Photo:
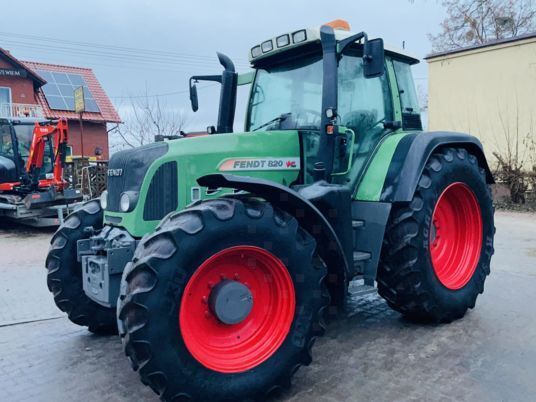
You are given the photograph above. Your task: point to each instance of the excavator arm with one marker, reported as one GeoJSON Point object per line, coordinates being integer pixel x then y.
{"type": "Point", "coordinates": [42, 135]}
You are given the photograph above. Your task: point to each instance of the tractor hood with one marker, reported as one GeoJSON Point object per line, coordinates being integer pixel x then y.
{"type": "Point", "coordinates": [162, 177]}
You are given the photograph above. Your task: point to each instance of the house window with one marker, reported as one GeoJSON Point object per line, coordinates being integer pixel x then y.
{"type": "Point", "coordinates": [5, 101]}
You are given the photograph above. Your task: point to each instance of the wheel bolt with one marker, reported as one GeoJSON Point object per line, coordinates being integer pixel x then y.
{"type": "Point", "coordinates": [236, 277]}
{"type": "Point", "coordinates": [204, 300]}
{"type": "Point", "coordinates": [210, 285]}
{"type": "Point", "coordinates": [207, 314]}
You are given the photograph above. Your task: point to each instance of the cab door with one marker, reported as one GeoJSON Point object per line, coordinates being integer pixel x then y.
{"type": "Point", "coordinates": [365, 106]}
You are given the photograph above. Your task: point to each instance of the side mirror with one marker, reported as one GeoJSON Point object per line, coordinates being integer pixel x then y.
{"type": "Point", "coordinates": [193, 97]}
{"type": "Point", "coordinates": [373, 58]}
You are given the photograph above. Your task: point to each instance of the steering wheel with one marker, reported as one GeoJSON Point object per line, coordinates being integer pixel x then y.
{"type": "Point", "coordinates": [317, 117]}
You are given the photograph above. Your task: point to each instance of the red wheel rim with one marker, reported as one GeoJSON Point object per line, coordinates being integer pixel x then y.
{"type": "Point", "coordinates": [239, 347]}
{"type": "Point", "coordinates": [456, 236]}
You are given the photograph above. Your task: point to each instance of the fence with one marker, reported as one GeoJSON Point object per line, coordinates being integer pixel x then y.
{"type": "Point", "coordinates": [87, 176]}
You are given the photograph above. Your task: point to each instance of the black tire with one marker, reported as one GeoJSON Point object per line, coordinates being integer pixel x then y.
{"type": "Point", "coordinates": [406, 276]}
{"type": "Point", "coordinates": [153, 284]}
{"type": "Point", "coordinates": [64, 277]}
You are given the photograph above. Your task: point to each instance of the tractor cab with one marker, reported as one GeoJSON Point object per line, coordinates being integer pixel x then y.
{"type": "Point", "coordinates": [341, 91]}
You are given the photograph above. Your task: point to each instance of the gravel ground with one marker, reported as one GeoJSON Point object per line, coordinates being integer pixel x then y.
{"type": "Point", "coordinates": [374, 354]}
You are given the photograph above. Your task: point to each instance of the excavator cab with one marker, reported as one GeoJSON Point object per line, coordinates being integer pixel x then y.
{"type": "Point", "coordinates": [15, 144]}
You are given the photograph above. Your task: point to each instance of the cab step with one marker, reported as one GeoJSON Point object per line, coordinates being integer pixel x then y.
{"type": "Point", "coordinates": [360, 259]}
{"type": "Point", "coordinates": [361, 256]}
{"type": "Point", "coordinates": [357, 288]}
{"type": "Point", "coordinates": [358, 224]}
{"type": "Point", "coordinates": [358, 293]}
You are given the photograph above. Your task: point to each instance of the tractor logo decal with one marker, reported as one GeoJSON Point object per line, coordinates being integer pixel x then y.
{"type": "Point", "coordinates": [115, 172]}
{"type": "Point", "coordinates": [260, 164]}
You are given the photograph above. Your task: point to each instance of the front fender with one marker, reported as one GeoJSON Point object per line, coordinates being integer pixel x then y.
{"type": "Point", "coordinates": [411, 155]}
{"type": "Point", "coordinates": [308, 216]}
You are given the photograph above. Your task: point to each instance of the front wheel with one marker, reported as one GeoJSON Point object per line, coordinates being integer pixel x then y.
{"type": "Point", "coordinates": [437, 250]}
{"type": "Point", "coordinates": [64, 277]}
{"type": "Point", "coordinates": [222, 302]}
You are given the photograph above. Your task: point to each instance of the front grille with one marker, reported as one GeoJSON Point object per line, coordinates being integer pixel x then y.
{"type": "Point", "coordinates": [162, 197]}
{"type": "Point", "coordinates": [133, 165]}
{"type": "Point", "coordinates": [411, 121]}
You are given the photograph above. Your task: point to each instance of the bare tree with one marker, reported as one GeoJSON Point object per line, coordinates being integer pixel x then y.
{"type": "Point", "coordinates": [516, 162]}
{"type": "Point", "coordinates": [475, 22]}
{"type": "Point", "coordinates": [146, 117]}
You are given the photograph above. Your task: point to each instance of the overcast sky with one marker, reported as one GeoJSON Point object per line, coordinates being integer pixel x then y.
{"type": "Point", "coordinates": [184, 37]}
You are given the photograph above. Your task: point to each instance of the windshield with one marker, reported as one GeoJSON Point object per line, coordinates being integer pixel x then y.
{"type": "Point", "coordinates": [24, 133]}
{"type": "Point", "coordinates": [288, 96]}
{"type": "Point", "coordinates": [24, 137]}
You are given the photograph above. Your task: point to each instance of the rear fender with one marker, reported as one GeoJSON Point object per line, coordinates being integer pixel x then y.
{"type": "Point", "coordinates": [411, 155]}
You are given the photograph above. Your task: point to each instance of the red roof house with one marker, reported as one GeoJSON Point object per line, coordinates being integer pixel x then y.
{"type": "Point", "coordinates": [35, 89]}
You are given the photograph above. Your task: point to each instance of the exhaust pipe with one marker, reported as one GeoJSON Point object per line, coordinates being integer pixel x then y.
{"type": "Point", "coordinates": [229, 80]}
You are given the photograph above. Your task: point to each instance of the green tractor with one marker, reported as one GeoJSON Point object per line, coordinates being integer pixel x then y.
{"type": "Point", "coordinates": [217, 257]}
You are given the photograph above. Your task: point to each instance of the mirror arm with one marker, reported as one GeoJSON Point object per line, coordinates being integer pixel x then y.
{"type": "Point", "coordinates": [343, 44]}
{"type": "Point", "coordinates": [196, 78]}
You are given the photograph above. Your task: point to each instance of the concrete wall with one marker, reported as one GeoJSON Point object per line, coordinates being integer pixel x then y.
{"type": "Point", "coordinates": [488, 92]}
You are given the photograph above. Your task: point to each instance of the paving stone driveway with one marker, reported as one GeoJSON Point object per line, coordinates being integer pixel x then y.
{"type": "Point", "coordinates": [374, 355]}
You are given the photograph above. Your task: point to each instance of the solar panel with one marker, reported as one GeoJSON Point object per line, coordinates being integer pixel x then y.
{"type": "Point", "coordinates": [59, 91]}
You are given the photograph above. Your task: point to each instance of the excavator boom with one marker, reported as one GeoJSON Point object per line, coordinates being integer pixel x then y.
{"type": "Point", "coordinates": [42, 134]}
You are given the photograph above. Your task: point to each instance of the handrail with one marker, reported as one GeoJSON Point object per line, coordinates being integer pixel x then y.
{"type": "Point", "coordinates": [20, 110]}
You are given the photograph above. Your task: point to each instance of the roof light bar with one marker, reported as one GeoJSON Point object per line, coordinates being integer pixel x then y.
{"type": "Point", "coordinates": [280, 42]}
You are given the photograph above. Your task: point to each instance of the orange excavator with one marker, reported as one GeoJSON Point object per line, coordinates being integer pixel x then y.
{"type": "Point", "coordinates": [32, 158]}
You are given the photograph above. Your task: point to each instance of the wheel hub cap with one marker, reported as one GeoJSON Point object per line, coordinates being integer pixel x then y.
{"type": "Point", "coordinates": [231, 302]}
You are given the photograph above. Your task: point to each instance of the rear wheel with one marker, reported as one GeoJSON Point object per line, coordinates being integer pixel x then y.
{"type": "Point", "coordinates": [222, 302]}
{"type": "Point", "coordinates": [64, 277]}
{"type": "Point", "coordinates": [437, 250]}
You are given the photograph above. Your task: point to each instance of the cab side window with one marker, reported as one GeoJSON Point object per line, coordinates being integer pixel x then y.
{"type": "Point", "coordinates": [411, 117]}
{"type": "Point", "coordinates": [364, 105]}
{"type": "Point", "coordinates": [6, 146]}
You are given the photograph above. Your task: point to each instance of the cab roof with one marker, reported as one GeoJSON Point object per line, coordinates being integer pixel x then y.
{"type": "Point", "coordinates": [292, 40]}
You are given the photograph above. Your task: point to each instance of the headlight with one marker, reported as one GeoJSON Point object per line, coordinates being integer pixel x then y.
{"type": "Point", "coordinates": [299, 36]}
{"type": "Point", "coordinates": [256, 51]}
{"type": "Point", "coordinates": [267, 46]}
{"type": "Point", "coordinates": [283, 40]}
{"type": "Point", "coordinates": [104, 199]}
{"type": "Point", "coordinates": [124, 202]}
